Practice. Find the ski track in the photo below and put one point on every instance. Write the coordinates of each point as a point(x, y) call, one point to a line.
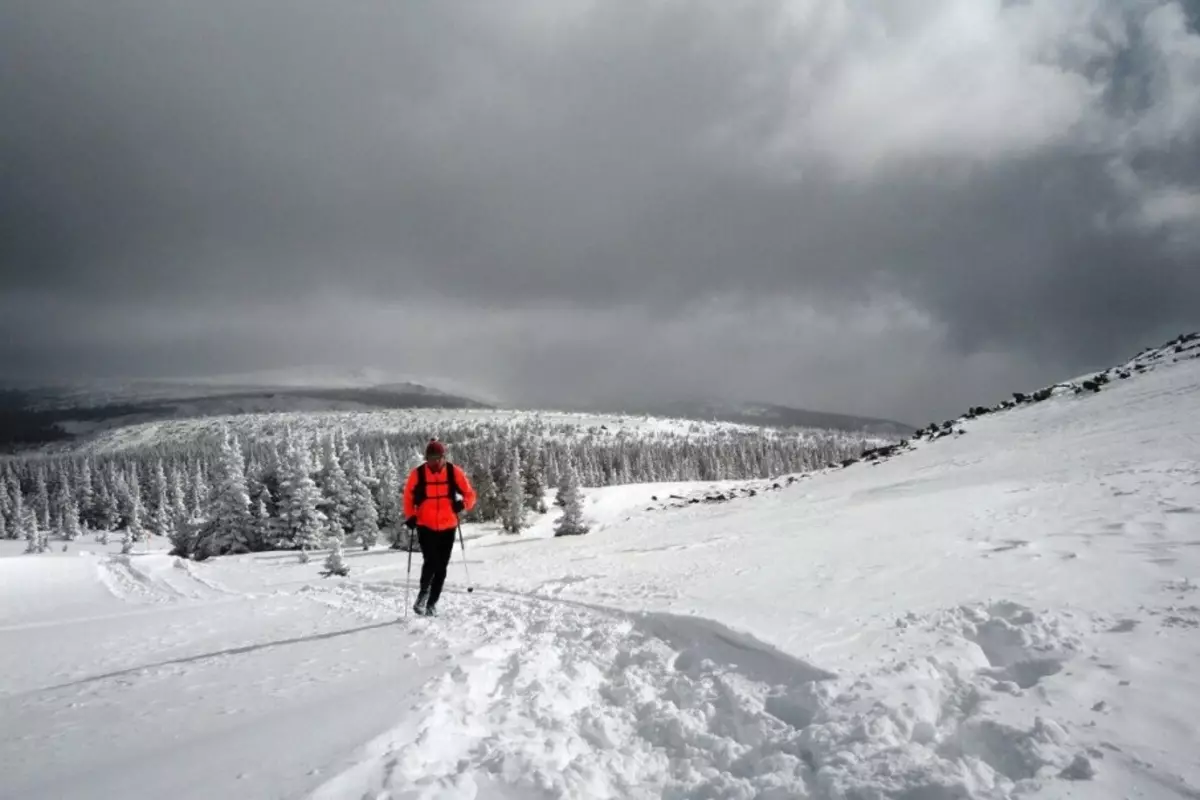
point(547, 699)
point(155, 579)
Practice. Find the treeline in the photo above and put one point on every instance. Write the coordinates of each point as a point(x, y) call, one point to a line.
point(300, 489)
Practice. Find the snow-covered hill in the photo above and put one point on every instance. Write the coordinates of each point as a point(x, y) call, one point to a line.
point(106, 416)
point(777, 416)
point(446, 423)
point(1013, 611)
point(55, 416)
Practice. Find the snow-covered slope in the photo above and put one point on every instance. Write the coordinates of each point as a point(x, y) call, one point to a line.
point(446, 423)
point(1013, 611)
point(55, 416)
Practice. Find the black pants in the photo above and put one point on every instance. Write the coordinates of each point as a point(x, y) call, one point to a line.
point(436, 549)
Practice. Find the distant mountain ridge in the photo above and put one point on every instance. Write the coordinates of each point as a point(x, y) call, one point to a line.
point(33, 414)
point(772, 415)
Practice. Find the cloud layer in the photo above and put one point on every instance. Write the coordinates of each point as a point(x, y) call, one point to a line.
point(891, 208)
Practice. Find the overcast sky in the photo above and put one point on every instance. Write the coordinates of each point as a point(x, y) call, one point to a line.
point(887, 207)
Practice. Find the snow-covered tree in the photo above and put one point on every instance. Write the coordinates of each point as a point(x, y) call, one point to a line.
point(513, 515)
point(268, 529)
point(127, 495)
point(6, 527)
point(35, 537)
point(229, 528)
point(534, 481)
point(85, 492)
point(488, 502)
point(335, 562)
point(335, 486)
point(41, 499)
point(68, 514)
point(130, 537)
point(571, 523)
point(198, 493)
point(70, 520)
point(107, 513)
point(389, 501)
point(303, 522)
point(178, 499)
point(364, 516)
point(134, 530)
point(162, 516)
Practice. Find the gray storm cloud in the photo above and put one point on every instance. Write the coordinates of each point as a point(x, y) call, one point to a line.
point(890, 208)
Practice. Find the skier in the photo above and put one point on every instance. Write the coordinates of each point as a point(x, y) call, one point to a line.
point(431, 507)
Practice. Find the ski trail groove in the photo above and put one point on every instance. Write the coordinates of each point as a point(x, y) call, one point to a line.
point(212, 654)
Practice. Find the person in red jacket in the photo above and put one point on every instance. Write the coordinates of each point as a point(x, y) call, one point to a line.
point(431, 507)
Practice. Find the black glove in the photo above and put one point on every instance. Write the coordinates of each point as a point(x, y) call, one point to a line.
point(458, 506)
point(411, 523)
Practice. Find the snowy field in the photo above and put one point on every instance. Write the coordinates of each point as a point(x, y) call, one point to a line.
point(1010, 612)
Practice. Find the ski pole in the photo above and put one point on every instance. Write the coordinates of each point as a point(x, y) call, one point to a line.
point(408, 578)
point(462, 542)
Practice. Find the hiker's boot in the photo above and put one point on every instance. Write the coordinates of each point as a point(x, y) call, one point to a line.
point(419, 608)
point(431, 611)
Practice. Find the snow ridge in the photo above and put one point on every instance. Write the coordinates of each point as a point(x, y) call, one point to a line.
point(154, 578)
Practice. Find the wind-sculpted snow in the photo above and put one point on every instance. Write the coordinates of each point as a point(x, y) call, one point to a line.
point(552, 699)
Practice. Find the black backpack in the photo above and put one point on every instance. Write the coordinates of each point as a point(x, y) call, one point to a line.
point(419, 489)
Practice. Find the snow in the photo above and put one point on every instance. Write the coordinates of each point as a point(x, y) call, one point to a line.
point(1014, 611)
point(260, 426)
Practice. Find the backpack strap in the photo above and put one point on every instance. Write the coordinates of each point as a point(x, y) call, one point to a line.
point(419, 490)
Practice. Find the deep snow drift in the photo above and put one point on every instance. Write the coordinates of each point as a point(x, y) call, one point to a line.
point(1014, 611)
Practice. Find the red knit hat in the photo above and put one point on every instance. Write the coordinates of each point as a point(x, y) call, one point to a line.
point(435, 448)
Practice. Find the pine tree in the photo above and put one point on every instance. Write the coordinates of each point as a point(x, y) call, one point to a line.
point(7, 527)
point(133, 511)
point(228, 530)
point(134, 532)
point(29, 530)
point(335, 485)
point(364, 516)
point(534, 482)
point(571, 522)
point(198, 493)
point(391, 512)
point(19, 528)
point(70, 519)
point(107, 512)
point(335, 562)
point(268, 527)
point(183, 537)
point(41, 499)
point(67, 513)
point(303, 522)
point(85, 492)
point(179, 510)
point(487, 497)
point(162, 518)
point(513, 515)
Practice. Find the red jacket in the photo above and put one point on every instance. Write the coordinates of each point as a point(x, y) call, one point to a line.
point(437, 513)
